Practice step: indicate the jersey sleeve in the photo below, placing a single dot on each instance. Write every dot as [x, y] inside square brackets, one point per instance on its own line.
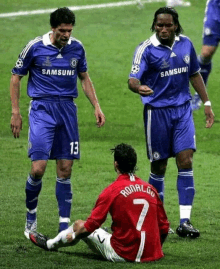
[139, 64]
[194, 65]
[82, 65]
[24, 60]
[100, 211]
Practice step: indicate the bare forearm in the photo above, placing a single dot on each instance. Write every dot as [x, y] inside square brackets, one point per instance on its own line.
[133, 85]
[15, 84]
[199, 86]
[89, 90]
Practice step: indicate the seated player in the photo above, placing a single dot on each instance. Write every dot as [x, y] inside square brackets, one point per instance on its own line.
[139, 222]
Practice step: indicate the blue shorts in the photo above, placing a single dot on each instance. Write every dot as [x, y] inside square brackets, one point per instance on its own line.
[53, 129]
[211, 31]
[169, 131]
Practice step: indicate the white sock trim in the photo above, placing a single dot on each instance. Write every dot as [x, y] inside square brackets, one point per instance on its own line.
[185, 211]
[32, 211]
[64, 220]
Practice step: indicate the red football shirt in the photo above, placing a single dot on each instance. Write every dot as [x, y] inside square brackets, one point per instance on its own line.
[138, 218]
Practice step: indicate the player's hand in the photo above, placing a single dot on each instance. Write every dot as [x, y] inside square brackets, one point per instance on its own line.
[209, 116]
[100, 117]
[144, 90]
[16, 124]
[69, 237]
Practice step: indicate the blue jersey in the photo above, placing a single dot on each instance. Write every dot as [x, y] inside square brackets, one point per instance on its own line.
[166, 70]
[52, 71]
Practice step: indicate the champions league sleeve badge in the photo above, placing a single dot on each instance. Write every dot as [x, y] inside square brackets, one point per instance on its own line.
[19, 63]
[135, 69]
[186, 58]
[73, 62]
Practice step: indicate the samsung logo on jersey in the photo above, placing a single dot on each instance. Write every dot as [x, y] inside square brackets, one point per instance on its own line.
[58, 72]
[174, 71]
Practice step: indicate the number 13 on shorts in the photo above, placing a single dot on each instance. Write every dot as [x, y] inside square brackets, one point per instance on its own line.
[74, 148]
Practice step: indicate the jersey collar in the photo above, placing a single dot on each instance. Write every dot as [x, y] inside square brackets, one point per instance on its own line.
[46, 39]
[128, 177]
[156, 42]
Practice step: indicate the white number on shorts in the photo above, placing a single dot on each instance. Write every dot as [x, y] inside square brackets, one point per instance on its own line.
[74, 148]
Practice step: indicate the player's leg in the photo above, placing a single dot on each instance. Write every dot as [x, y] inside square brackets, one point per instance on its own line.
[211, 38]
[185, 183]
[64, 192]
[184, 147]
[65, 149]
[100, 242]
[40, 142]
[186, 192]
[33, 188]
[158, 145]
[60, 240]
[158, 169]
[55, 243]
[205, 64]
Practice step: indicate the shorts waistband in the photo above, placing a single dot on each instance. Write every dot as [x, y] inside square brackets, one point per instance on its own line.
[54, 98]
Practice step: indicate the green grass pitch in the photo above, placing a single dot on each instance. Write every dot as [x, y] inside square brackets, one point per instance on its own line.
[110, 36]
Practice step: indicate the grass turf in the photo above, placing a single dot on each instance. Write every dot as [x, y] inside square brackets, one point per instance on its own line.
[110, 37]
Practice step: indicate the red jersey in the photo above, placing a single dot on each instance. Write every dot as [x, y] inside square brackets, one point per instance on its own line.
[138, 218]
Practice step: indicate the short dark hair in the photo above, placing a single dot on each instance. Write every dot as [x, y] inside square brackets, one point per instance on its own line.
[171, 11]
[126, 158]
[62, 15]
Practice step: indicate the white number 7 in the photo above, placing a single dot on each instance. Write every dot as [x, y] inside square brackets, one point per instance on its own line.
[139, 225]
[143, 212]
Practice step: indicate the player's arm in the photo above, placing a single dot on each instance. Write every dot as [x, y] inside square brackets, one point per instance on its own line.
[135, 86]
[79, 231]
[199, 86]
[16, 119]
[89, 91]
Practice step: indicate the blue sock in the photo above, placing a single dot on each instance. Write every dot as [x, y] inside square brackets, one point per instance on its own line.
[185, 187]
[205, 69]
[158, 182]
[64, 199]
[33, 188]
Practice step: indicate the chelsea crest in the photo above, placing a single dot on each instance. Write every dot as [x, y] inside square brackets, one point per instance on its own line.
[73, 62]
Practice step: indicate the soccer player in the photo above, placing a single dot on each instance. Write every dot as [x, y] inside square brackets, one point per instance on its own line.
[162, 67]
[53, 61]
[211, 38]
[139, 222]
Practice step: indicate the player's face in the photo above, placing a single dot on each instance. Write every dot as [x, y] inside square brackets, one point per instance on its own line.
[61, 34]
[165, 29]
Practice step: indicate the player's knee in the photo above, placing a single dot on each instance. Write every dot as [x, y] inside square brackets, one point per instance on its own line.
[159, 167]
[185, 163]
[38, 168]
[38, 172]
[207, 53]
[64, 168]
[64, 172]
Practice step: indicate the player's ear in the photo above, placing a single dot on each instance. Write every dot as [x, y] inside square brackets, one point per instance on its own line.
[116, 165]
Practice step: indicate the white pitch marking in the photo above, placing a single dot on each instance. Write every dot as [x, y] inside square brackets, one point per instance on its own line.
[73, 8]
